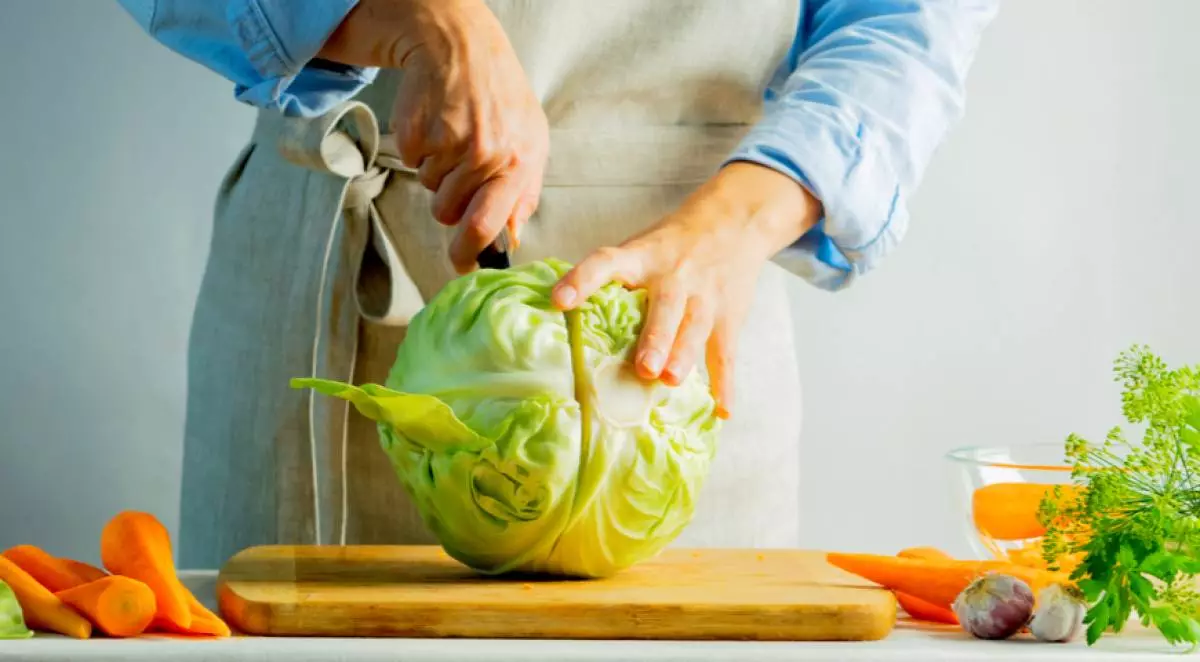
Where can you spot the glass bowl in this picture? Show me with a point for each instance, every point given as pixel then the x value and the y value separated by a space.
pixel 1001 490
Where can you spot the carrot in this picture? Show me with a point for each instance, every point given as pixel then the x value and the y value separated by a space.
pixel 202 625
pixel 916 607
pixel 935 581
pixel 1009 511
pixel 48 571
pixel 85 571
pixel 138 546
pixel 204 622
pixel 208 625
pixel 925 611
pixel 924 553
pixel 120 606
pixel 43 610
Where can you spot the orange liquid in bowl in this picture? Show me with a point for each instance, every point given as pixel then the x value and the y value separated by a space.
pixel 1006 519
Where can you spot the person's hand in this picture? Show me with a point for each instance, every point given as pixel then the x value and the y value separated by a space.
pixel 465 115
pixel 700 265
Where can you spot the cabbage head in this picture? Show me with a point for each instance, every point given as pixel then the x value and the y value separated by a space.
pixel 523 434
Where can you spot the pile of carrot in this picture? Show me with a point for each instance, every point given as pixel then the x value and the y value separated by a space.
pixel 140 592
pixel 926 580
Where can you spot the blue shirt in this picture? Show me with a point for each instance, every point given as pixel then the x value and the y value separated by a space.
pixel 867 93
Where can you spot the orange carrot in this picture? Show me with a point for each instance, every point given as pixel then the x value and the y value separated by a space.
pixel 87 572
pixel 924 553
pixel 925 611
pixel 202 625
pixel 43 610
pixel 120 606
pixel 48 571
pixel 916 607
pixel 137 545
pixel 208 625
pixel 1009 511
pixel 204 621
pixel 935 581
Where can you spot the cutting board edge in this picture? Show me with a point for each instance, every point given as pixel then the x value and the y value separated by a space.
pixel 800 623
pixel 870 620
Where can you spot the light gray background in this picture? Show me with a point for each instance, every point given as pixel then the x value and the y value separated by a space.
pixel 1054 229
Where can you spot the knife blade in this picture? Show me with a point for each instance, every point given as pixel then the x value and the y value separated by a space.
pixel 496 255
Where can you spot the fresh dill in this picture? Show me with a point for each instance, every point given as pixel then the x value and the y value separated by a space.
pixel 1135 524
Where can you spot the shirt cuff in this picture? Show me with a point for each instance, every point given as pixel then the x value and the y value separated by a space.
pixel 281 40
pixel 827 153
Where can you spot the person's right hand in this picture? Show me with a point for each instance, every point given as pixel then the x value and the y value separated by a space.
pixel 465 115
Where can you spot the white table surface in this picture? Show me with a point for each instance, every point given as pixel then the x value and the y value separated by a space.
pixel 909 641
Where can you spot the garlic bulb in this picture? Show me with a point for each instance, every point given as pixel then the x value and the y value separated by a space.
pixel 994 606
pixel 1059 614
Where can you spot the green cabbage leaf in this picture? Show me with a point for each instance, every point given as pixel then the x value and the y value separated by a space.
pixel 12 620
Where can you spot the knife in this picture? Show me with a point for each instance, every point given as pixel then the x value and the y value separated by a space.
pixel 496 254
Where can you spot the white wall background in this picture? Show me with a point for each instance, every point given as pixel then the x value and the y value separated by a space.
pixel 111 154
pixel 1053 230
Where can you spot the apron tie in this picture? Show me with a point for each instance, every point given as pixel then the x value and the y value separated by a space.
pixel 345 142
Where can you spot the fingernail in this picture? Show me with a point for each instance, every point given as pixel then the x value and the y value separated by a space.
pixel 673 375
pixel 514 234
pixel 652 361
pixel 565 296
pixel 724 405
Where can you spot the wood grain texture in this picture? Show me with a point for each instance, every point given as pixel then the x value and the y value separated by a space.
pixel 419 591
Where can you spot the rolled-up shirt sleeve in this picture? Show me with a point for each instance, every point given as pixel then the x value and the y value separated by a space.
pixel 868 93
pixel 266 48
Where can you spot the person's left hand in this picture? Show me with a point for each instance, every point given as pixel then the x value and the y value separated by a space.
pixel 700 265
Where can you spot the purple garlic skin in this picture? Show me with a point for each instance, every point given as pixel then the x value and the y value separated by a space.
pixel 994 606
pixel 1059 614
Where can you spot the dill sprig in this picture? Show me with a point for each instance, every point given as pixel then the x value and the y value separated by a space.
pixel 1136 522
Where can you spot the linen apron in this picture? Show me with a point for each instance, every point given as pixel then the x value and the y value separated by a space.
pixel 324 247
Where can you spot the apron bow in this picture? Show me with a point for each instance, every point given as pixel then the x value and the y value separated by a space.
pixel 346 142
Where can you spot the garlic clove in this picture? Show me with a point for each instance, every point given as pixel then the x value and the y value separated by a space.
pixel 1059 614
pixel 995 606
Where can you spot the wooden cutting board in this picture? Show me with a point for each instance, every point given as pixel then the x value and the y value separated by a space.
pixel 419 591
